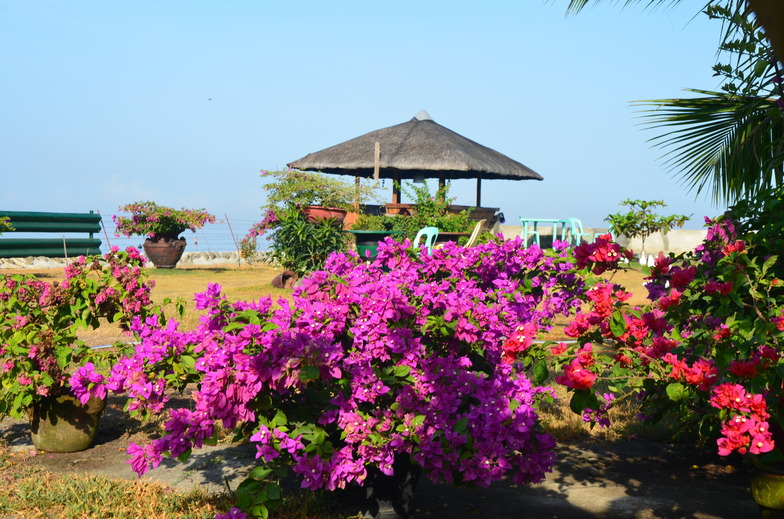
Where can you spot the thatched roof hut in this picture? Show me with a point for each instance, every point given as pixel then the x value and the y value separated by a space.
pixel 419 148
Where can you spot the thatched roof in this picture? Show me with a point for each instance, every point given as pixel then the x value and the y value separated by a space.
pixel 417 148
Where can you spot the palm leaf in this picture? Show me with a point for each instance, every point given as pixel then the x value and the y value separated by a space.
pixel 729 144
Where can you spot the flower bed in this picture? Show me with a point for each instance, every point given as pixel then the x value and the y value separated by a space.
pixel 409 354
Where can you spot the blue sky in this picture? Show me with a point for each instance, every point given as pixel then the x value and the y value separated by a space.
pixel 106 103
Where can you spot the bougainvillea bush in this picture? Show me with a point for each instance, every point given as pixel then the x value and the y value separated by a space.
pixel 707 350
pixel 41 354
pixel 411 354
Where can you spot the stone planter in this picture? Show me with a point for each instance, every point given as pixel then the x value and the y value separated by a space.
pixel 165 252
pixel 63 424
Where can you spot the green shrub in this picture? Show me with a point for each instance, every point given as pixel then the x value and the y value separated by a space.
pixel 432 211
pixel 302 245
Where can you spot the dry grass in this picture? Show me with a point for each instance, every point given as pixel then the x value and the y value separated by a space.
pixel 36 493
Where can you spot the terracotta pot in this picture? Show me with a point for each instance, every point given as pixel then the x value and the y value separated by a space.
pixel 63 424
pixel 351 218
pixel 165 252
pixel 317 212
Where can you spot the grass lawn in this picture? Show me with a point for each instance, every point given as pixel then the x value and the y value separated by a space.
pixel 34 492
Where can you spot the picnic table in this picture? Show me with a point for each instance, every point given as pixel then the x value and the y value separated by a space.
pixel 531 227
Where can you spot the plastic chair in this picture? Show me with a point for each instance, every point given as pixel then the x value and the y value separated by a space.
pixel 475 233
pixel 573 231
pixel 429 234
pixel 526 232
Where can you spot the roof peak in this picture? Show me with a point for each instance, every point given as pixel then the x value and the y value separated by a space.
pixel 423 116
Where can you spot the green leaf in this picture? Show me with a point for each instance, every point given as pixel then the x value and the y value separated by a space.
pixel 617 324
pixel 308 373
pixel 401 371
pixel 249 487
pixel 461 426
pixel 677 391
pixel 184 456
pixel 260 473
pixel 188 361
pixel 273 492
pixel 540 372
pixel 583 399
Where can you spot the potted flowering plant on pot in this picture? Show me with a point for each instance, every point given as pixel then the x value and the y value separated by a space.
pixel 707 351
pixel 45 368
pixel 162 227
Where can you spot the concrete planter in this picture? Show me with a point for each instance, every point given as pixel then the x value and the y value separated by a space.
pixel 63 424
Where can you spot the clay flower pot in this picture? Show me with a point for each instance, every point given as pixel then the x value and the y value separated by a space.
pixel 165 252
pixel 317 212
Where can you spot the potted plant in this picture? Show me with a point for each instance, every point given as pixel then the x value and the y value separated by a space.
pixel 303 218
pixel 368 230
pixel 162 227
pixel 46 370
pixel 319 196
pixel 434 211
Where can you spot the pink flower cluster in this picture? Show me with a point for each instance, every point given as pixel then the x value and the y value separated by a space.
pixel 746 430
pixel 603 254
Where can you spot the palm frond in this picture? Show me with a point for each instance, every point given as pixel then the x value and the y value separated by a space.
pixel 731 145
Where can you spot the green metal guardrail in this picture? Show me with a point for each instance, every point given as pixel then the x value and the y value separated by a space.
pixel 51 223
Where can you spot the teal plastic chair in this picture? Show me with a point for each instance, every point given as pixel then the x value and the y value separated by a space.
pixel 572 231
pixel 429 234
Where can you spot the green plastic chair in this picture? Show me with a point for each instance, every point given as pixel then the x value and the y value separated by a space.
pixel 429 234
pixel 572 231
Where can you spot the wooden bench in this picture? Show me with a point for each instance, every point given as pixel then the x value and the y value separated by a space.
pixel 61 224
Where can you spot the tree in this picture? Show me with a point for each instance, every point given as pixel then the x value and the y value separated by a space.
pixel 731 142
pixel 641 221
